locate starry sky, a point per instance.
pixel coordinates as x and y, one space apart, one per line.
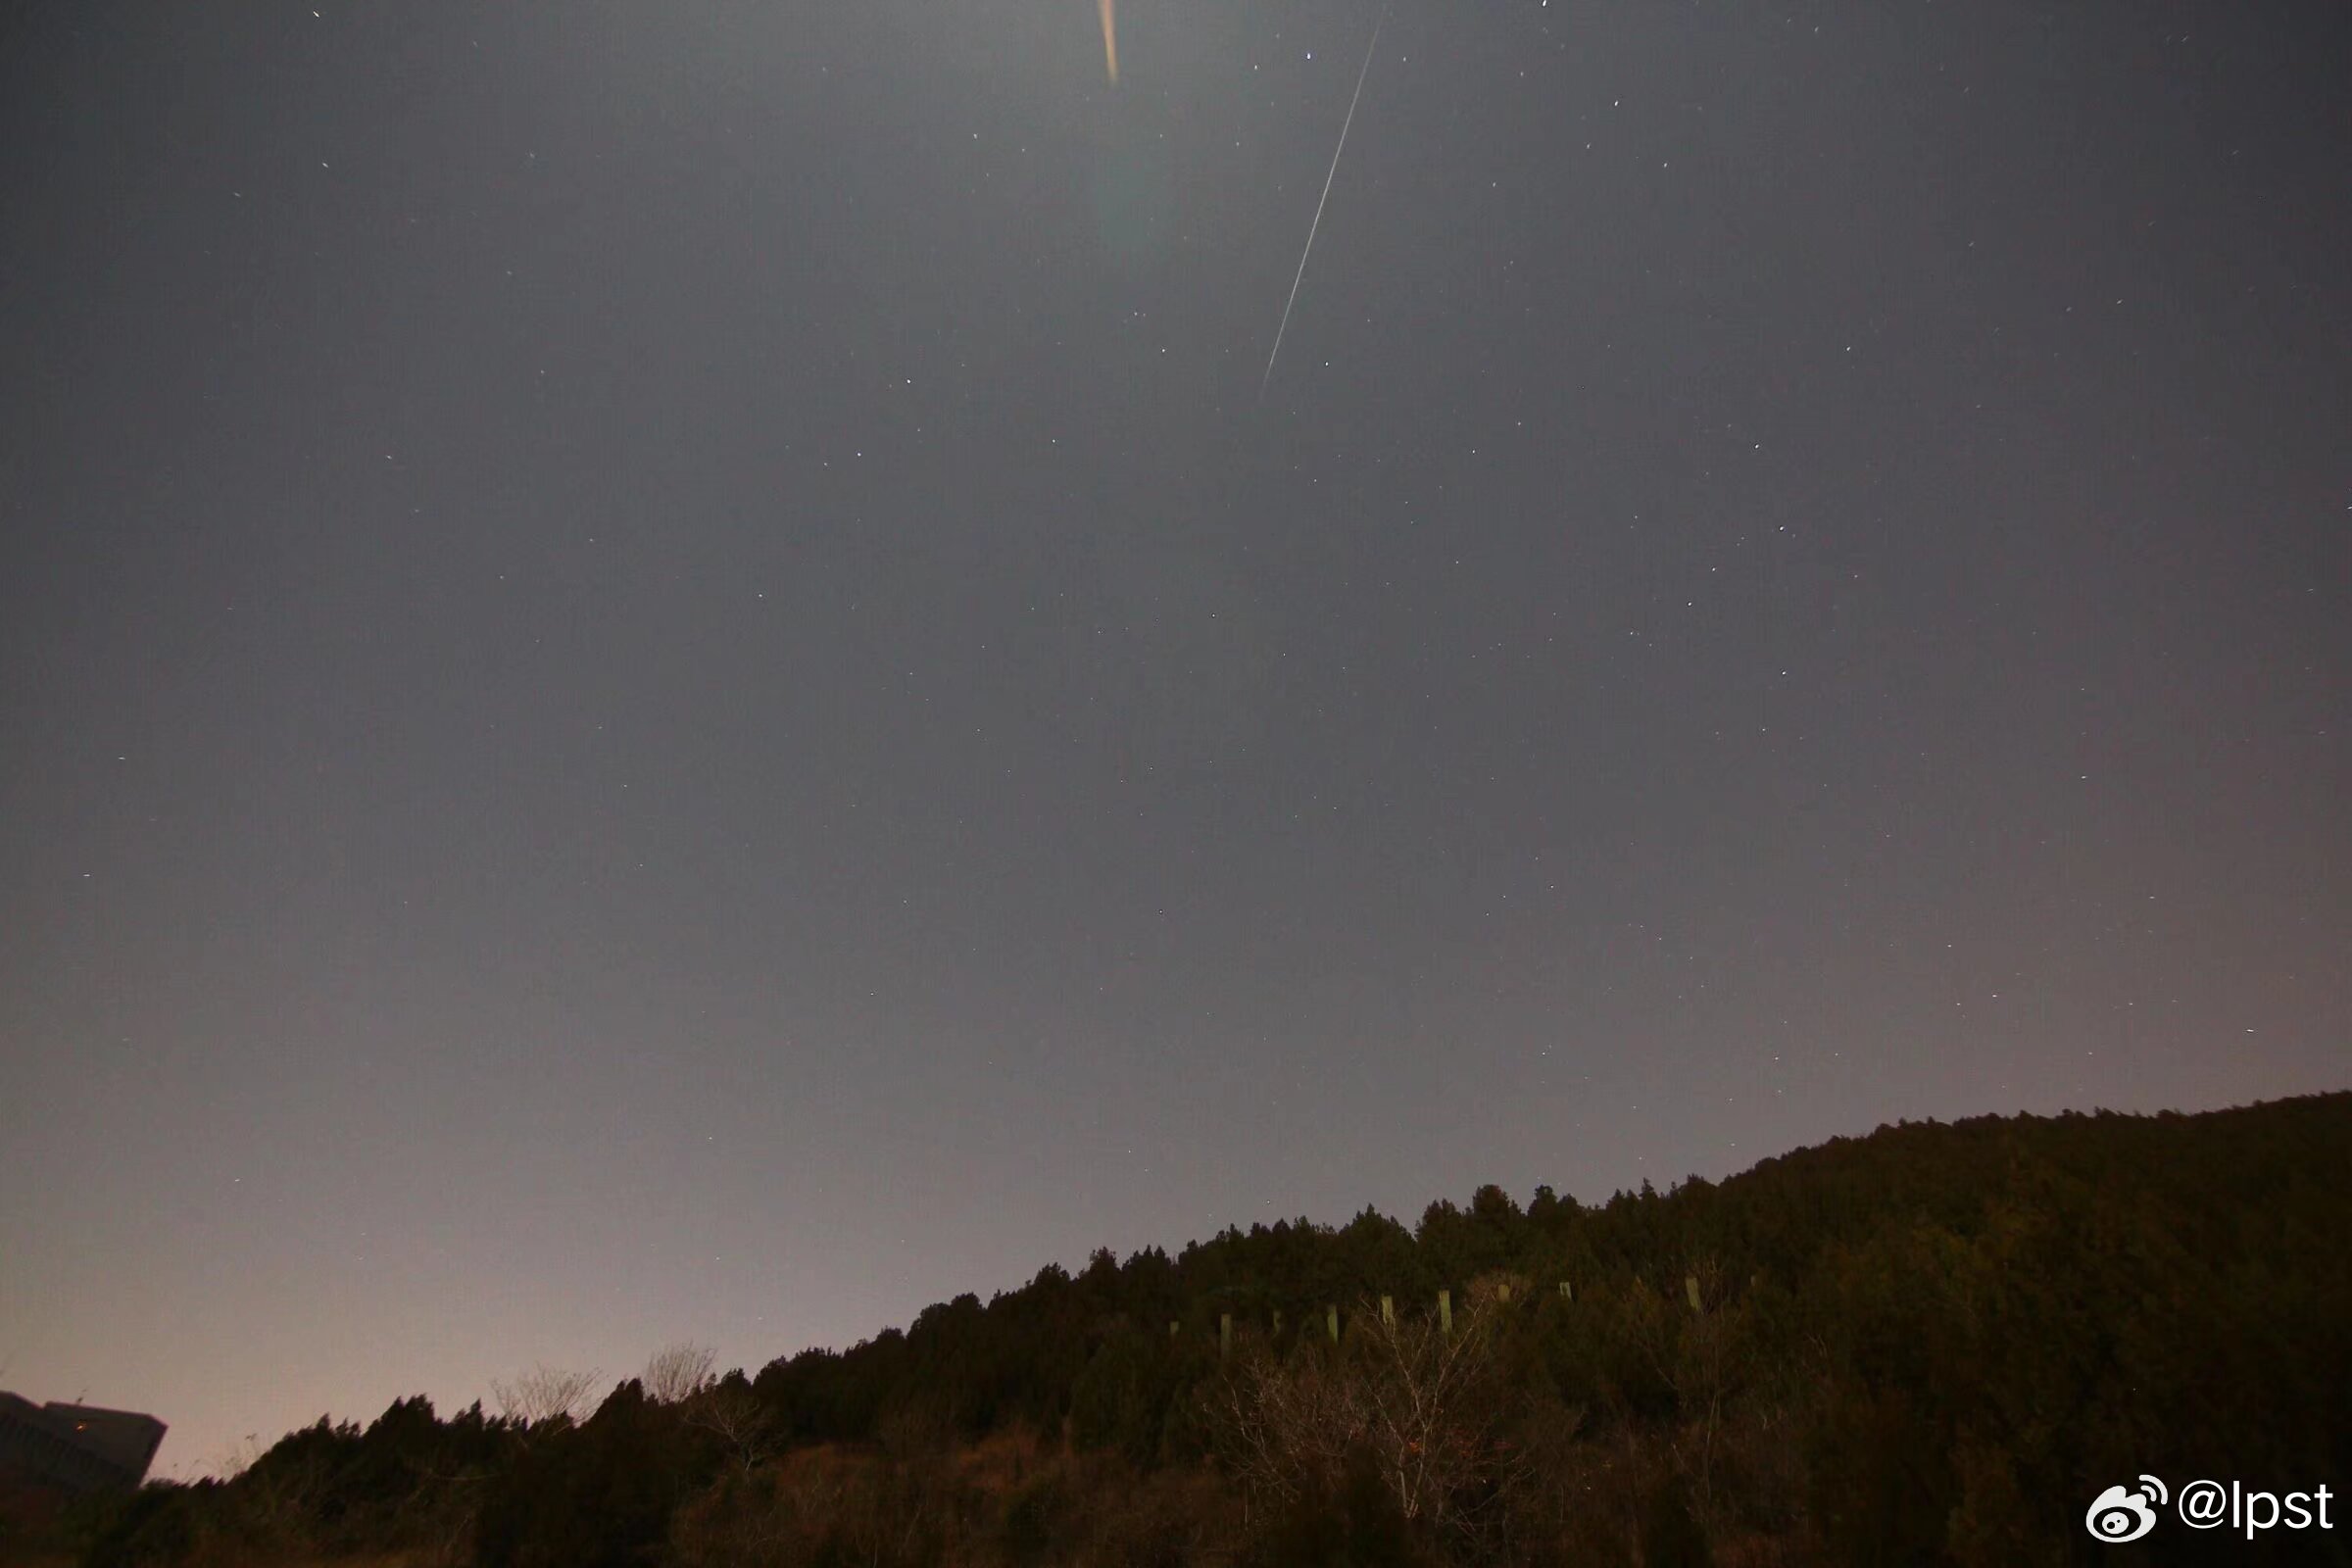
661 677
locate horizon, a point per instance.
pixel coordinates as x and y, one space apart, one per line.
604 1380
709 673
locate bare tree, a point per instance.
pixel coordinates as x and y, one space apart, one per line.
1701 1354
730 1412
678 1372
1436 1411
543 1393
1288 1426
1424 1405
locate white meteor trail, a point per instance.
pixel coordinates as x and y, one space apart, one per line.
1318 223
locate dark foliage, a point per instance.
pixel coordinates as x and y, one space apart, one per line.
1933 1344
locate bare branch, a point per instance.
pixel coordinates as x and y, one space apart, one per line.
543 1393
678 1372
1421 1403
732 1412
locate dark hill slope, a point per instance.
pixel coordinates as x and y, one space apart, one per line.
1933 1344
2143 1223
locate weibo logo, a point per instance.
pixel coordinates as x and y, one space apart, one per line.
2117 1515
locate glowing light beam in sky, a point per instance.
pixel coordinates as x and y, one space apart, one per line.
1318 223
1110 36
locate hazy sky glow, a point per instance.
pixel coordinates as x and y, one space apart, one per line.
659 675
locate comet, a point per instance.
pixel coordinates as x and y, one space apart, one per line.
1263 380
1110 38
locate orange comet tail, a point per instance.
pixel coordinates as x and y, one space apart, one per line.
1110 36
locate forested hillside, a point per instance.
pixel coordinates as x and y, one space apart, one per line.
1936 1344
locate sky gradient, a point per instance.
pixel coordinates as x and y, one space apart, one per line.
661 677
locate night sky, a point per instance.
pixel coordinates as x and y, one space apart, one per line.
661 676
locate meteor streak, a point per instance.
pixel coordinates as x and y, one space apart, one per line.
1318 223
1110 37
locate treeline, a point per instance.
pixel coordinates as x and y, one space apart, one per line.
1933 1344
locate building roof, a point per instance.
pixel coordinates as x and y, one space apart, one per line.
77 1445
